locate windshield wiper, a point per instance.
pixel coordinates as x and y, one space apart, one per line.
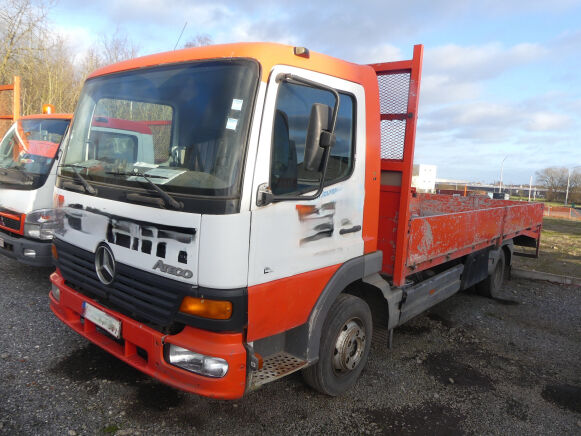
86 185
168 200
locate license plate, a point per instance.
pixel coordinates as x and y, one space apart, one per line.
1 243
103 320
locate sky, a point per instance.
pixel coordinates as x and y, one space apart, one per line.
500 83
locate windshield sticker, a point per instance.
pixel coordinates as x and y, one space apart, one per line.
237 104
231 123
160 176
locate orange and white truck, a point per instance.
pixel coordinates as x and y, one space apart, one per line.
28 153
274 225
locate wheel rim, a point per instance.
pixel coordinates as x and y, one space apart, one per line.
349 346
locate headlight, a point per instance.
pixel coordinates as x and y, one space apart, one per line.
195 362
56 292
41 224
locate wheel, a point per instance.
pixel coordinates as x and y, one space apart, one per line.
345 345
491 285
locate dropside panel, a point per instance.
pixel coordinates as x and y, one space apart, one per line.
443 227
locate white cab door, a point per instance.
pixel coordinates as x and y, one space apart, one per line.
293 237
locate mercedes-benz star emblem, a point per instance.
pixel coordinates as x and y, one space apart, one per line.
105 264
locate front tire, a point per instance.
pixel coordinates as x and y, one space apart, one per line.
345 345
490 287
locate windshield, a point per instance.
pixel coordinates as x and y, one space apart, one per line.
183 126
28 150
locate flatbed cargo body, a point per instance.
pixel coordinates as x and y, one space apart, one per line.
443 227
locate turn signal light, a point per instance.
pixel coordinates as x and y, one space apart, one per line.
55 253
214 309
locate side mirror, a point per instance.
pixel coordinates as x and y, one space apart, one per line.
317 134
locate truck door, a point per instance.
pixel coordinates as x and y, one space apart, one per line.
295 246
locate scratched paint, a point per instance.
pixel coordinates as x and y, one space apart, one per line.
427 237
133 242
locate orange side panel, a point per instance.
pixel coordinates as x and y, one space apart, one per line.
280 305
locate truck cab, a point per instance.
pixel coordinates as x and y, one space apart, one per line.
270 222
28 153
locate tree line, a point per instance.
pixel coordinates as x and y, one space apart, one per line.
560 181
49 71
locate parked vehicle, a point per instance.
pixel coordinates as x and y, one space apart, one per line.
28 153
276 225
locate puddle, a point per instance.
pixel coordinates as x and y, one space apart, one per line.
432 419
566 396
444 366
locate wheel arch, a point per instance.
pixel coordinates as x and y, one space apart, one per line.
358 277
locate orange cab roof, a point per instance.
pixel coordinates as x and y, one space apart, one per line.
267 54
47 117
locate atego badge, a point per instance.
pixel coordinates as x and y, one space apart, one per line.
173 270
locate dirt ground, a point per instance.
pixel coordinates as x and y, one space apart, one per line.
470 365
560 251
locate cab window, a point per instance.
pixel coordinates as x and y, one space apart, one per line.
291 119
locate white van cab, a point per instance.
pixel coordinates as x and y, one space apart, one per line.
28 153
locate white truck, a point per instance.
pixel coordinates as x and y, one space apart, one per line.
28 153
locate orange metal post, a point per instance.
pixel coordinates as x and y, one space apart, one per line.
407 168
16 99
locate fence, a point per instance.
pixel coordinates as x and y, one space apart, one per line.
562 212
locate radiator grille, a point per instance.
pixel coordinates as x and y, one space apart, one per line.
9 223
143 296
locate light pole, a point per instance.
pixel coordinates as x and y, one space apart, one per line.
568 180
501 169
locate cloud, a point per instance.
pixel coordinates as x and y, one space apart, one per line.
480 62
490 85
78 38
543 121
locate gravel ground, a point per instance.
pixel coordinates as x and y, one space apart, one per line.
470 365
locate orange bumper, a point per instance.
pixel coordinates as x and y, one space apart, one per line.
142 347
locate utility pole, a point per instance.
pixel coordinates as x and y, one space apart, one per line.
501 169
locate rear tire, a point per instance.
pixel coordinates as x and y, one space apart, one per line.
490 287
345 345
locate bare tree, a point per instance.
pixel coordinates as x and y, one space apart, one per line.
117 47
22 32
555 180
199 40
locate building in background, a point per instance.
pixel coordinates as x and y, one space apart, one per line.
424 178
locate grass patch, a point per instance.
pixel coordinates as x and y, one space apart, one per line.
111 429
560 251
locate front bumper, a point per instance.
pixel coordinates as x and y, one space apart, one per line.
142 347
14 247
